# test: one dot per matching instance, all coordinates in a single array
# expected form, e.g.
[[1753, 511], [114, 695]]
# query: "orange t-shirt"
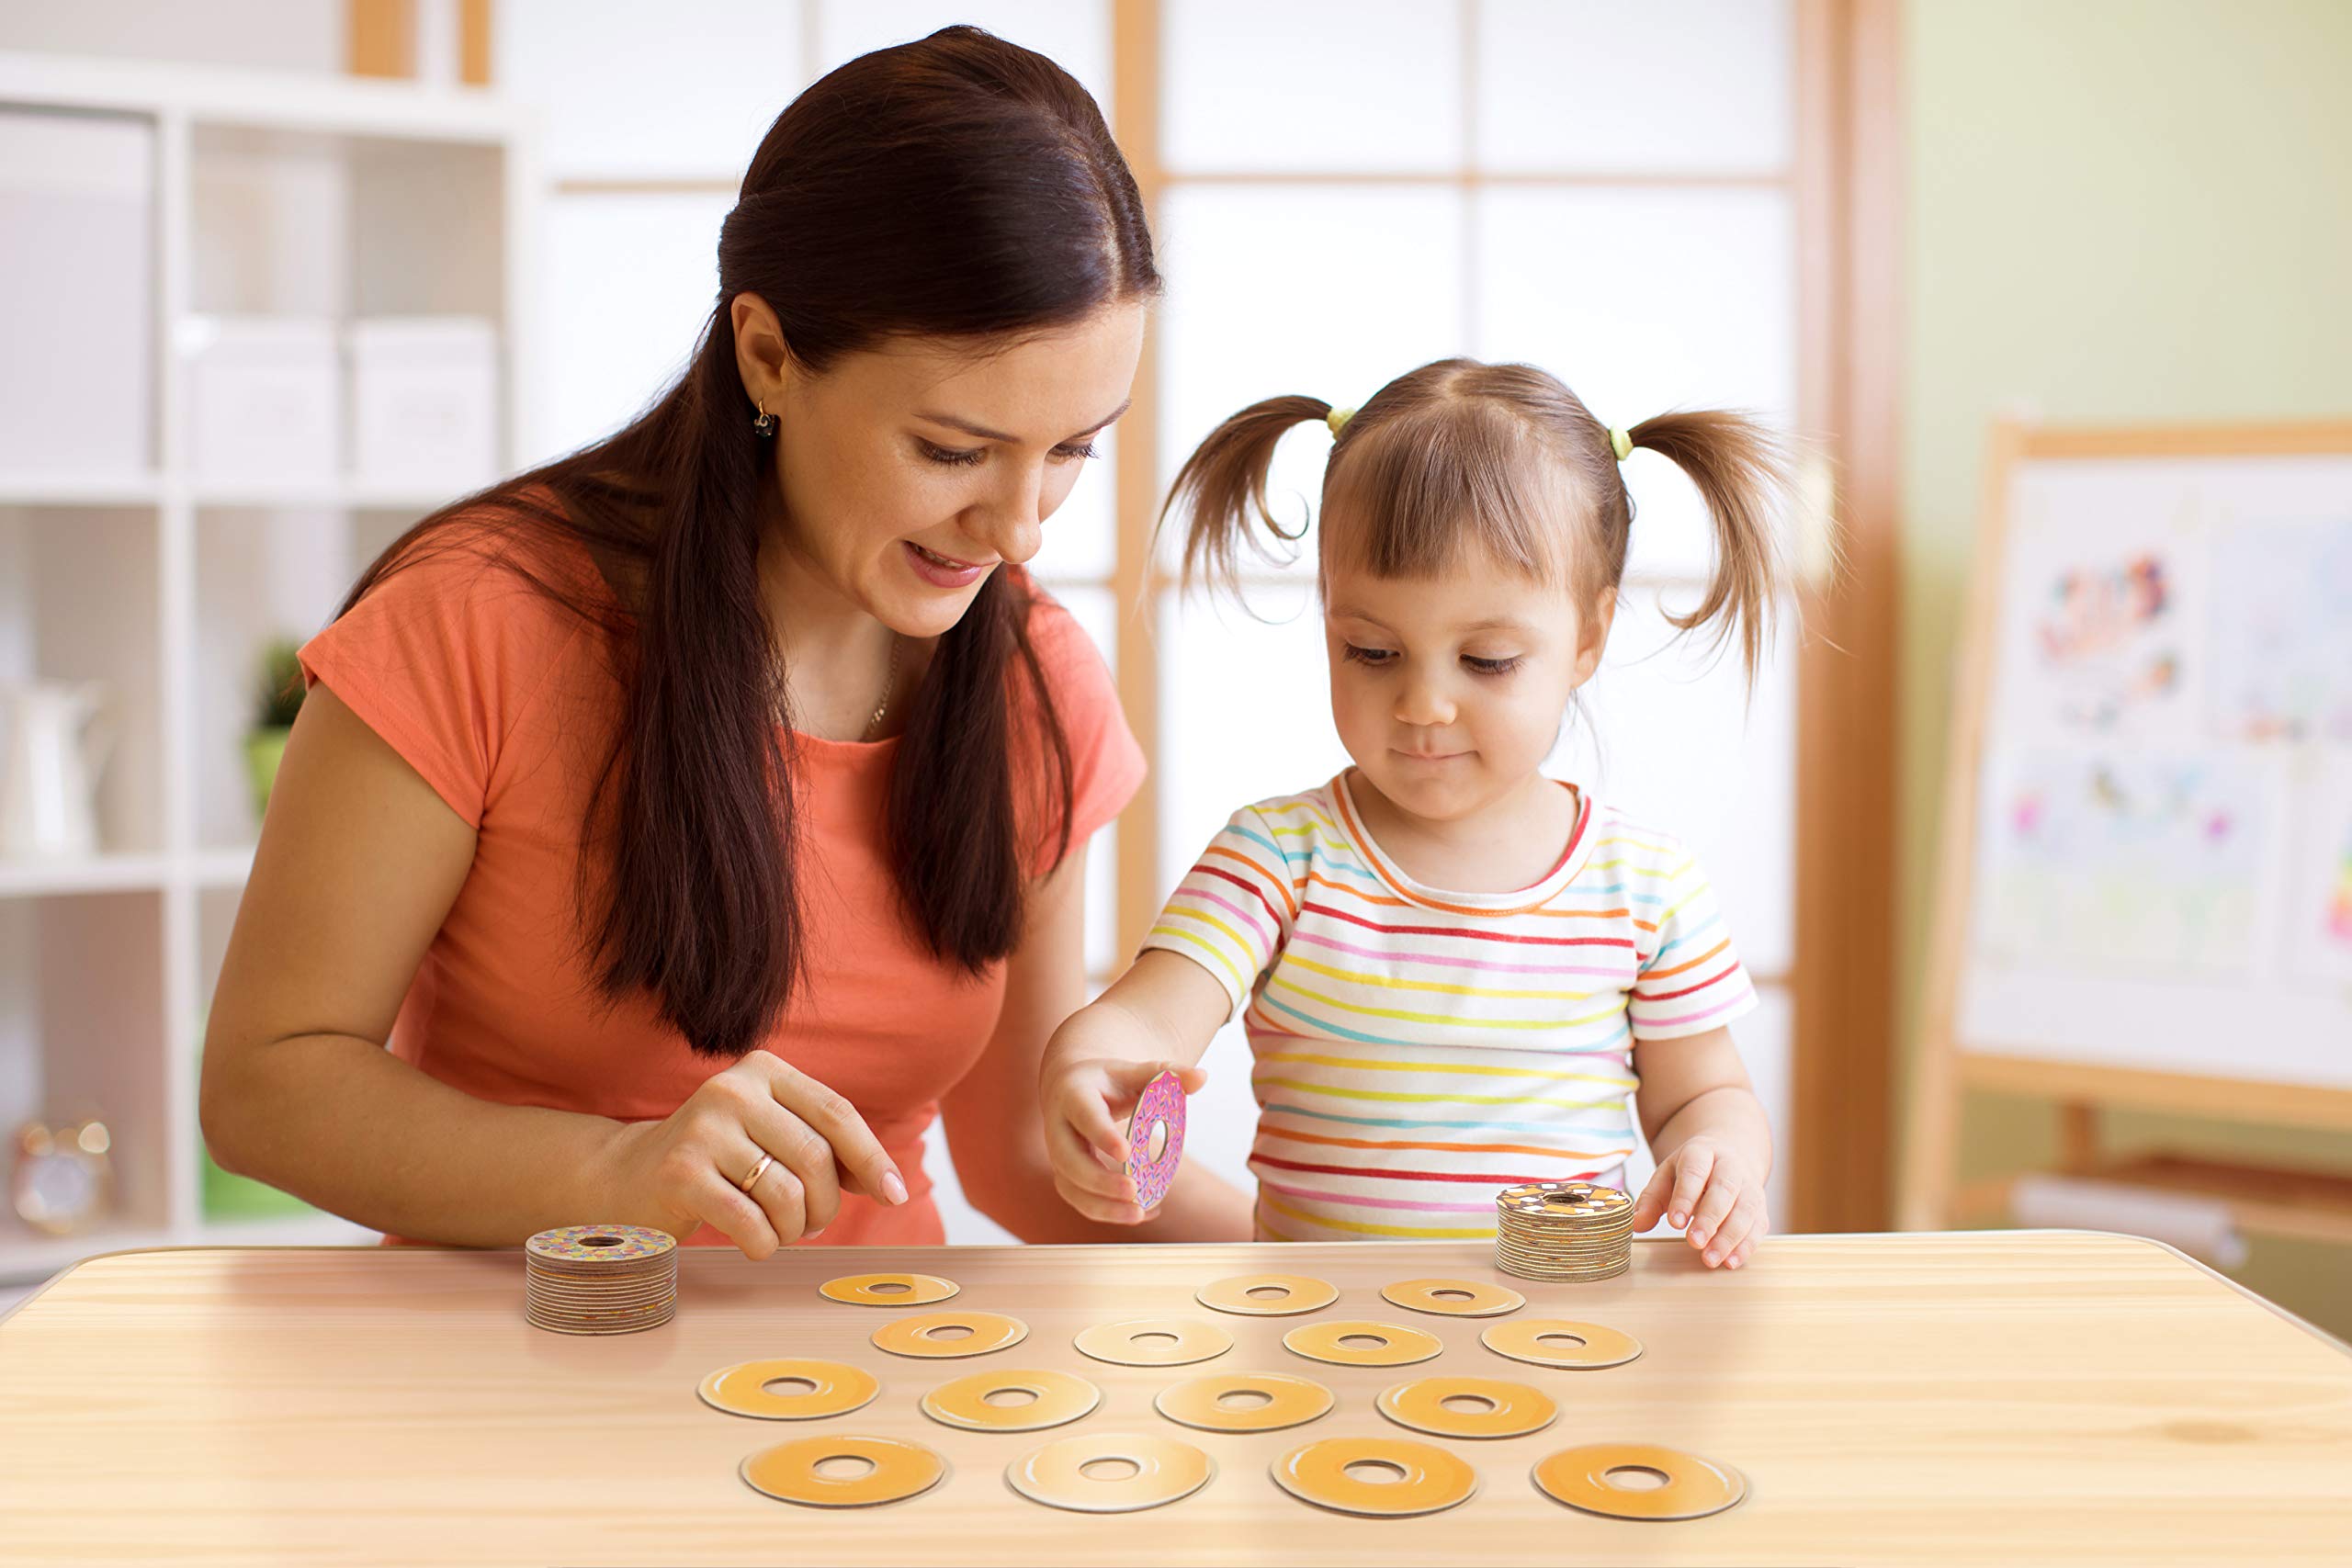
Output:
[[504, 703]]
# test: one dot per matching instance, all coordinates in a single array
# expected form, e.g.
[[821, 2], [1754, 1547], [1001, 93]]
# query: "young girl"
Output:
[[1458, 975]]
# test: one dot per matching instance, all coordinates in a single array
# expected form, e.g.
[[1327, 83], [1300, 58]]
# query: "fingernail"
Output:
[[1677, 1218], [892, 1187], [1738, 1261], [1698, 1237], [811, 1235]]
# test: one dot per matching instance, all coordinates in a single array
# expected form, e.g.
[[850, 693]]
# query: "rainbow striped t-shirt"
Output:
[[1417, 1049]]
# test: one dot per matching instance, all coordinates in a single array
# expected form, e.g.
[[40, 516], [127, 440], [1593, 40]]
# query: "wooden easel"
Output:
[[2262, 1199]]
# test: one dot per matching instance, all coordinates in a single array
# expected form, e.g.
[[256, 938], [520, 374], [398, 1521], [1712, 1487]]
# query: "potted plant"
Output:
[[280, 698]]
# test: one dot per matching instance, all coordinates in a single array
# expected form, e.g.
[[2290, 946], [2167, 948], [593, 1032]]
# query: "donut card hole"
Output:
[[1268, 1292], [1634, 1478], [890, 1288], [844, 1467], [1376, 1471], [948, 1331], [1010, 1398], [1452, 1295], [1469, 1404], [1157, 1341], [1110, 1468], [789, 1388], [601, 1241], [1561, 1341], [1363, 1342], [1156, 1145], [1244, 1399]]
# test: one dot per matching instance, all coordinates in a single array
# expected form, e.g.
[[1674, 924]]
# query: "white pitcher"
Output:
[[56, 749]]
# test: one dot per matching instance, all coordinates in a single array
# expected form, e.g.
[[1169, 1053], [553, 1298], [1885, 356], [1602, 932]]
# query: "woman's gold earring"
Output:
[[763, 426]]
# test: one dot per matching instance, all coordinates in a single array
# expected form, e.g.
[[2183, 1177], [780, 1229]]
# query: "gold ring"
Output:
[[766, 1160]]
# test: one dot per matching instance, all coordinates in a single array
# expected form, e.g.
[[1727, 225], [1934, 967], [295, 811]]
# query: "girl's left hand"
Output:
[[1709, 1187]]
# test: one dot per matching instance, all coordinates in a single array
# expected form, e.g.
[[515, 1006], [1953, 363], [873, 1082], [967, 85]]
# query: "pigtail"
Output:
[[1744, 476], [1221, 492]]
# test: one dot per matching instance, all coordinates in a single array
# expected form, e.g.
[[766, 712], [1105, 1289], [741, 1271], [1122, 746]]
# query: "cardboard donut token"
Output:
[[1556, 1342], [1448, 1408], [1397, 1347], [1564, 1230], [1154, 1342], [1693, 1487], [888, 1289], [795, 1472], [1110, 1472], [922, 1335], [602, 1326], [1244, 1402], [1156, 1139], [1267, 1295], [1323, 1473], [1454, 1298], [602, 1245], [600, 1279], [835, 1388], [1055, 1397]]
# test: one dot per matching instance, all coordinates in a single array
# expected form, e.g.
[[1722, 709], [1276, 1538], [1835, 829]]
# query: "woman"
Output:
[[702, 813]]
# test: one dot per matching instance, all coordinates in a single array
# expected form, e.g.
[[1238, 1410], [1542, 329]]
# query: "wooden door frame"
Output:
[[1850, 271]]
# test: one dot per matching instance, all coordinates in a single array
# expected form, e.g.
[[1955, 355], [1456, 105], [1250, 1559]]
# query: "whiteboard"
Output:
[[2159, 871]]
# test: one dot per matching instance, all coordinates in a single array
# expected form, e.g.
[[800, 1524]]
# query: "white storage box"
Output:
[[264, 398], [424, 400], [77, 270]]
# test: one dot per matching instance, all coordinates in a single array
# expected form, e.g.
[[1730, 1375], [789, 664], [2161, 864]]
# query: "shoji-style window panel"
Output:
[[1645, 299], [1245, 710], [1667, 732], [1327, 86], [631, 277], [1074, 34], [1322, 289], [1696, 87], [681, 91]]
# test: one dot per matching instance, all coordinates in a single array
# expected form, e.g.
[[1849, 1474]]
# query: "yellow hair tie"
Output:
[[1621, 442], [1337, 419]]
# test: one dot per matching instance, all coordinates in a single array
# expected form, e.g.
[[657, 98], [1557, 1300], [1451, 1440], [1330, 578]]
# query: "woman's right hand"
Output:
[[687, 1169]]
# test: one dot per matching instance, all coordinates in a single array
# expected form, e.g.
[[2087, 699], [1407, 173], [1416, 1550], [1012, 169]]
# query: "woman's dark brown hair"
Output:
[[958, 187]]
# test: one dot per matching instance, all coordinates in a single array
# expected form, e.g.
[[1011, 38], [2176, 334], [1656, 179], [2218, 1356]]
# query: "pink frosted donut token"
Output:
[[1156, 1139]]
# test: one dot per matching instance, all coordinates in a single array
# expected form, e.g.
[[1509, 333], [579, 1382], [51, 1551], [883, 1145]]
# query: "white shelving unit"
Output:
[[273, 195]]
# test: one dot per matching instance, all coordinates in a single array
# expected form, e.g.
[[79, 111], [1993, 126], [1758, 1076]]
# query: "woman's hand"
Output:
[[688, 1169], [1708, 1186], [1087, 1089]]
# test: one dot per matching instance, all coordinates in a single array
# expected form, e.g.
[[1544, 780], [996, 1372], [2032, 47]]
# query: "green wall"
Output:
[[2119, 210]]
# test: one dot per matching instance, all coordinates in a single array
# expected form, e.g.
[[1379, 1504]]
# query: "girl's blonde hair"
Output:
[[1460, 456]]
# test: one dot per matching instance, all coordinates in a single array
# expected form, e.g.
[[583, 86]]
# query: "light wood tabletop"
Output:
[[1947, 1398]]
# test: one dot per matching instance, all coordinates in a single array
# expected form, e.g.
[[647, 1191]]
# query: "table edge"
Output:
[[2322, 1335]]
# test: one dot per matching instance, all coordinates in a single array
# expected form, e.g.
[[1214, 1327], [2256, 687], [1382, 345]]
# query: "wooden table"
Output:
[[1967, 1397]]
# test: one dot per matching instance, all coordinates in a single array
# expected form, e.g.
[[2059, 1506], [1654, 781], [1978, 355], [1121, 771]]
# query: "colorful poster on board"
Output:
[[2103, 637], [2320, 918], [2128, 861], [2281, 662]]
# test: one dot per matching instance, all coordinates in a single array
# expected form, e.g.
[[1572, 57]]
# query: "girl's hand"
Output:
[[1086, 1102], [1707, 1186], [688, 1169]]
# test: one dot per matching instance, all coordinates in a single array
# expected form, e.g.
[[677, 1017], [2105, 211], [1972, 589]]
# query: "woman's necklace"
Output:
[[889, 684]]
